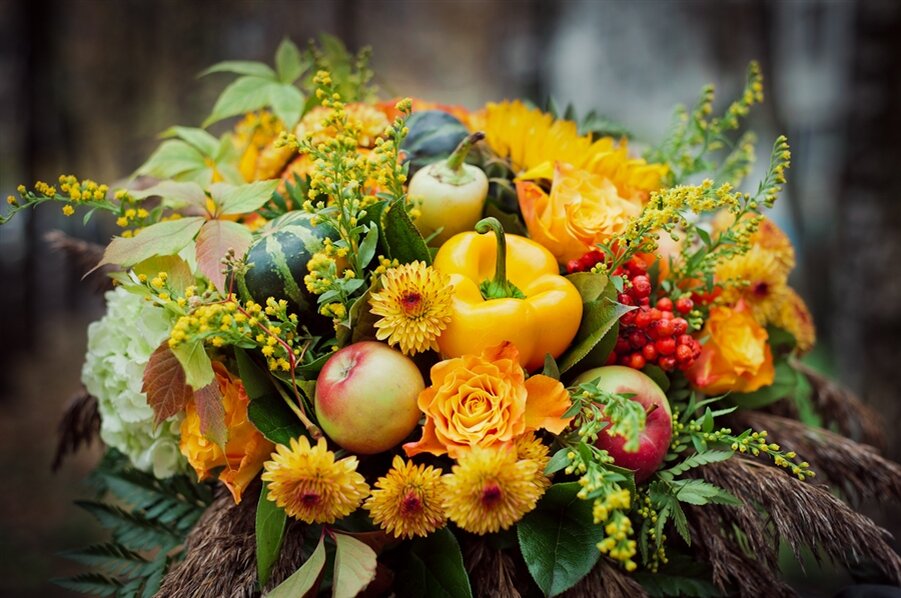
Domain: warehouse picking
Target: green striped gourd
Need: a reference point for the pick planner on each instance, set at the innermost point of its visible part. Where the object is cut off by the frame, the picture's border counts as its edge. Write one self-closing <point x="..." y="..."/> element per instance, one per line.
<point x="279" y="263"/>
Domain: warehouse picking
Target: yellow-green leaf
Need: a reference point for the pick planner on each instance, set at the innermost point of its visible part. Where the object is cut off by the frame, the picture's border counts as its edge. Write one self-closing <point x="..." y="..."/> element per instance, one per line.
<point x="162" y="238"/>
<point x="355" y="565"/>
<point x="304" y="579"/>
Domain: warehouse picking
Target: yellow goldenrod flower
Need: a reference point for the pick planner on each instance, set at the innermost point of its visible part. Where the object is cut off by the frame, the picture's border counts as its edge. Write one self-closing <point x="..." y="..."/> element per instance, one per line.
<point x="414" y="303"/>
<point x="490" y="490"/>
<point x="68" y="210"/>
<point x="407" y="501"/>
<point x="311" y="485"/>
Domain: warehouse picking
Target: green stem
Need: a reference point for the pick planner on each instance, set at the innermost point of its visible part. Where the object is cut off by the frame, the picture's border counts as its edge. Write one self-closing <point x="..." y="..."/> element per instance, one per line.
<point x="500" y="268"/>
<point x="498" y="287"/>
<point x="455" y="161"/>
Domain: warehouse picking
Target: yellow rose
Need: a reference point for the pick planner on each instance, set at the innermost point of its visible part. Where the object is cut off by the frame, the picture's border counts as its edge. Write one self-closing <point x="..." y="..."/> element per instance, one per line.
<point x="581" y="210"/>
<point x="485" y="400"/>
<point x="245" y="450"/>
<point x="735" y="357"/>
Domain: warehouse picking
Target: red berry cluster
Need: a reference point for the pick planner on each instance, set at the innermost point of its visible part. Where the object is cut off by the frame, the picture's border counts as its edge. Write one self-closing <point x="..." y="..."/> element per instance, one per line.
<point x="586" y="262"/>
<point x="654" y="335"/>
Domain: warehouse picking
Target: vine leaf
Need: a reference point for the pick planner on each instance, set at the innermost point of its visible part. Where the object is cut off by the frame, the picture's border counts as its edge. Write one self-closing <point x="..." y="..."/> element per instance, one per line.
<point x="162" y="238"/>
<point x="165" y="385"/>
<point x="304" y="579"/>
<point x="208" y="401"/>
<point x="355" y="565"/>
<point x="213" y="242"/>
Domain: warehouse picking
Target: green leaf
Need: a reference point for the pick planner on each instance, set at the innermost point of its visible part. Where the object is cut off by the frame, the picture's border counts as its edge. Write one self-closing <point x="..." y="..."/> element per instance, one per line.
<point x="355" y="565"/>
<point x="162" y="238"/>
<point x="699" y="492"/>
<point x="287" y="103"/>
<point x="699" y="459"/>
<point x="559" y="539"/>
<point x="288" y="61"/>
<point x="243" y="199"/>
<point x="368" y="247"/>
<point x="270" y="531"/>
<point x="205" y="143"/>
<point x="180" y="275"/>
<point x="435" y="568"/>
<point x="559" y="461"/>
<point x="215" y="239"/>
<point x="401" y="236"/>
<point x="132" y="530"/>
<point x="241" y="67"/>
<point x="196" y="363"/>
<point x="256" y="382"/>
<point x="112" y="558"/>
<point x="550" y="367"/>
<point x="600" y="319"/>
<point x="304" y="579"/>
<point x="274" y="419"/>
<point x="91" y="583"/>
<point x="176" y="159"/>
<point x="175" y="195"/>
<point x="242" y="95"/>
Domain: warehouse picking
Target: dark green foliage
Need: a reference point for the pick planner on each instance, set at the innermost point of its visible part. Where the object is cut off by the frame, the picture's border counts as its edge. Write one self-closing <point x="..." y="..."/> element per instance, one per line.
<point x="148" y="524"/>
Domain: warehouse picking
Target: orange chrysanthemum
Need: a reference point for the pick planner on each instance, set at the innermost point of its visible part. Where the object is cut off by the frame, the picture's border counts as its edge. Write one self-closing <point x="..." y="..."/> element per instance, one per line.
<point x="485" y="400"/>
<point x="490" y="489"/>
<point x="795" y="318"/>
<point x="309" y="484"/>
<point x="415" y="305"/>
<point x="407" y="501"/>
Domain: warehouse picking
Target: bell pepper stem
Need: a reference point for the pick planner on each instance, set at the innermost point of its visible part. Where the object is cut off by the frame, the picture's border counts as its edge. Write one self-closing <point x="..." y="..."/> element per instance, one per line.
<point x="455" y="161"/>
<point x="498" y="287"/>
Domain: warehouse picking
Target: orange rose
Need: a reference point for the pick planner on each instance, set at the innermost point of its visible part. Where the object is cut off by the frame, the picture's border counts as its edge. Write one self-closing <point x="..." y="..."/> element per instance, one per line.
<point x="735" y="356"/>
<point x="582" y="210"/>
<point x="485" y="400"/>
<point x="245" y="450"/>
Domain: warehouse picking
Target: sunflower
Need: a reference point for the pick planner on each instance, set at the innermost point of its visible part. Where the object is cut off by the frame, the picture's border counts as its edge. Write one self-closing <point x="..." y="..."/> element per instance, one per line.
<point x="759" y="278"/>
<point x="309" y="484"/>
<point x="533" y="140"/>
<point x="490" y="489"/>
<point x="407" y="501"/>
<point x="414" y="303"/>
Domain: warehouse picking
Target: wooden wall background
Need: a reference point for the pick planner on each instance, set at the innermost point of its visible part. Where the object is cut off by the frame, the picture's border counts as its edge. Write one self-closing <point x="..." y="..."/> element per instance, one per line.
<point x="85" y="85"/>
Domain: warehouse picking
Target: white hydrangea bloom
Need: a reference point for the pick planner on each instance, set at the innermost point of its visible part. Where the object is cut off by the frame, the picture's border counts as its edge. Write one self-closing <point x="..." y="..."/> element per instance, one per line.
<point x="119" y="346"/>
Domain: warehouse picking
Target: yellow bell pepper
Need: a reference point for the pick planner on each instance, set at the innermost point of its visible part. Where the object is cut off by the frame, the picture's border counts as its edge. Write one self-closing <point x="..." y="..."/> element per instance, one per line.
<point x="536" y="308"/>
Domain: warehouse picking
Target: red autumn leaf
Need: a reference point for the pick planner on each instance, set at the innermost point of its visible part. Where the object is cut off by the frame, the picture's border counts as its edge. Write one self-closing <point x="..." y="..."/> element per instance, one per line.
<point x="164" y="383"/>
<point x="214" y="240"/>
<point x="208" y="401"/>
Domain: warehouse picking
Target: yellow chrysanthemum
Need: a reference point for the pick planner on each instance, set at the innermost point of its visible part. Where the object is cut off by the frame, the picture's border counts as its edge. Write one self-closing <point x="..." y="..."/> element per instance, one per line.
<point x="533" y="141"/>
<point x="415" y="305"/>
<point x="765" y="285"/>
<point x="795" y="318"/>
<point x="407" y="501"/>
<point x="311" y="485"/>
<point x="528" y="446"/>
<point x="490" y="490"/>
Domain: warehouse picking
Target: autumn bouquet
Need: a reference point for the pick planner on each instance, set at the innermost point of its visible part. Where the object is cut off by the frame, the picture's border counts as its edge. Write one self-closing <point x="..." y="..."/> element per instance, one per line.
<point x="433" y="351"/>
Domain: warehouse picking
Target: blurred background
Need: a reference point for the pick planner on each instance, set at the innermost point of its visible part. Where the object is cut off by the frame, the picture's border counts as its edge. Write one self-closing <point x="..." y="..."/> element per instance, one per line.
<point x="86" y="86"/>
